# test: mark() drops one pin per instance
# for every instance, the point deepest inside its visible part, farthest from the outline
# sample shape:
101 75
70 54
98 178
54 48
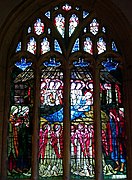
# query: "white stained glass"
45 47
94 27
66 7
114 48
88 45
60 24
47 14
85 14
38 27
73 22
101 46
31 46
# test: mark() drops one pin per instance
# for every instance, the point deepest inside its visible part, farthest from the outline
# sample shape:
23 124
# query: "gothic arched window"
66 102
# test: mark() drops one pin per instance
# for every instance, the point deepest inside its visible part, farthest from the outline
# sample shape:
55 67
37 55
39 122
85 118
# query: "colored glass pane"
29 30
73 22
103 30
81 63
82 124
20 121
52 63
94 27
113 127
88 45
60 24
114 48
101 46
31 45
110 64
38 27
76 46
18 47
85 14
45 46
23 64
47 14
66 7
51 126
57 46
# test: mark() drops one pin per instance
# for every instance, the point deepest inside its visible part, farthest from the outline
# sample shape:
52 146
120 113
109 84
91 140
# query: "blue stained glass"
114 48
57 46
85 14
88 45
52 63
47 14
23 64
18 47
110 64
81 63
76 46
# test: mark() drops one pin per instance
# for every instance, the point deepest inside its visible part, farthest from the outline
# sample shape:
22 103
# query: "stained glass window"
88 45
45 46
76 45
67 87
73 22
101 46
18 47
94 27
60 24
38 27
31 45
57 46
20 120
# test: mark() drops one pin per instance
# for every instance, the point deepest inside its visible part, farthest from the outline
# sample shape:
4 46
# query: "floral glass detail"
94 27
39 27
66 7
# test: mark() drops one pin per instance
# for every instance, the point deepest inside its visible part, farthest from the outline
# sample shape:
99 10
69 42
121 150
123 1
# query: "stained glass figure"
110 64
76 46
114 48
23 64
88 45
57 46
18 47
82 124
66 7
31 45
45 46
60 24
52 63
81 63
113 126
29 30
51 126
20 120
47 14
85 14
101 45
38 27
94 27
73 22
